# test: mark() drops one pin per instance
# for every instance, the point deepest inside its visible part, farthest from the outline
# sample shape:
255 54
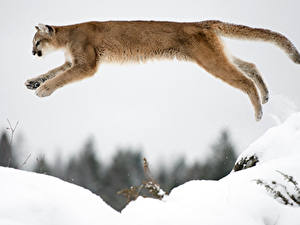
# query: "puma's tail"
245 32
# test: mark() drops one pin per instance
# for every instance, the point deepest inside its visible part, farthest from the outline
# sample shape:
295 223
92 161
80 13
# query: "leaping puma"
86 45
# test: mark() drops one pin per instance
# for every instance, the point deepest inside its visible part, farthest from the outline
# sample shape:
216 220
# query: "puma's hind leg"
251 71
211 56
234 77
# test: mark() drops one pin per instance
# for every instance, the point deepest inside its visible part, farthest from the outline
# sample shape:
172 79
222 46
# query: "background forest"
124 170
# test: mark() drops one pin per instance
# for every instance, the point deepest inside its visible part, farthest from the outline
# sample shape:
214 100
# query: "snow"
28 198
278 142
31 199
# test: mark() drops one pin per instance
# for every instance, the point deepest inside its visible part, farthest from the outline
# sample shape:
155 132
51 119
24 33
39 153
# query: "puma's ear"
50 29
45 29
37 28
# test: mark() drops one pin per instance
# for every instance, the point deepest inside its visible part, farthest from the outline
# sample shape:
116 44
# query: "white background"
168 108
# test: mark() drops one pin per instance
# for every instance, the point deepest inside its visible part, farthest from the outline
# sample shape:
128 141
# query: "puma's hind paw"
296 57
265 98
259 115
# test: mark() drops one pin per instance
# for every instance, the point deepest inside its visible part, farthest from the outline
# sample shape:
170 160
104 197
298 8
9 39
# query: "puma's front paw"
44 90
33 83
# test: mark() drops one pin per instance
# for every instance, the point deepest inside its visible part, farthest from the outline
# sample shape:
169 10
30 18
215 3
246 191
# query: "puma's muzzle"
39 53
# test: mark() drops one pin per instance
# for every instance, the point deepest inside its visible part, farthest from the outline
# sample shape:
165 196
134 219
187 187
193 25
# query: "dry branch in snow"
149 184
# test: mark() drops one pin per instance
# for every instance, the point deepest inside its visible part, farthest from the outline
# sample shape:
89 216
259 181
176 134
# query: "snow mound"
282 141
261 190
33 199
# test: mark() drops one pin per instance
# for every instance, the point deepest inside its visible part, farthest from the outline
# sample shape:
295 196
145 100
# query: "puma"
87 45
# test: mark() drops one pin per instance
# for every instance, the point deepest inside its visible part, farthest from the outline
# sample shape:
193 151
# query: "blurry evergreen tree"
197 171
42 166
7 158
163 178
216 166
58 169
178 173
85 170
126 170
224 156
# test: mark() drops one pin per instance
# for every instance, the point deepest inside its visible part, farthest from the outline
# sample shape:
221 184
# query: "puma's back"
123 41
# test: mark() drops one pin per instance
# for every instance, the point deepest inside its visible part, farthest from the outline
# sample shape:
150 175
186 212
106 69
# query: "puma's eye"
37 43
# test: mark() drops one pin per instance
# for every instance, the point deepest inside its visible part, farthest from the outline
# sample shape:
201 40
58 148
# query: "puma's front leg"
34 83
77 72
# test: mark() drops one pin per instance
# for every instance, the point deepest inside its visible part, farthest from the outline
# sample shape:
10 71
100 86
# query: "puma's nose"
39 53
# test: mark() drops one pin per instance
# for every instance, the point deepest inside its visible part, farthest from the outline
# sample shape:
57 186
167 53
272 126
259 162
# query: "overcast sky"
168 108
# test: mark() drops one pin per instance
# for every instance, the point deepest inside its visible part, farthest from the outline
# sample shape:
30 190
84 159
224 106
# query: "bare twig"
131 193
12 133
148 184
12 130
25 161
147 170
291 180
276 194
283 195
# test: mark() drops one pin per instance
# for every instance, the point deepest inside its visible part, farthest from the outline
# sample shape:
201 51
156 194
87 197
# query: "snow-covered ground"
35 199
32 199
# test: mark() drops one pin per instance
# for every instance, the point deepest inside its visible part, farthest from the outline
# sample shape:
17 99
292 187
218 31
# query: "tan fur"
86 45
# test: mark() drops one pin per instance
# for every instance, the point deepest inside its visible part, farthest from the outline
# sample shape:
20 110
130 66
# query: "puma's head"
43 40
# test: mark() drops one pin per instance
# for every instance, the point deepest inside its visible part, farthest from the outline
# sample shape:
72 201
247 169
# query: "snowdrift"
262 189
